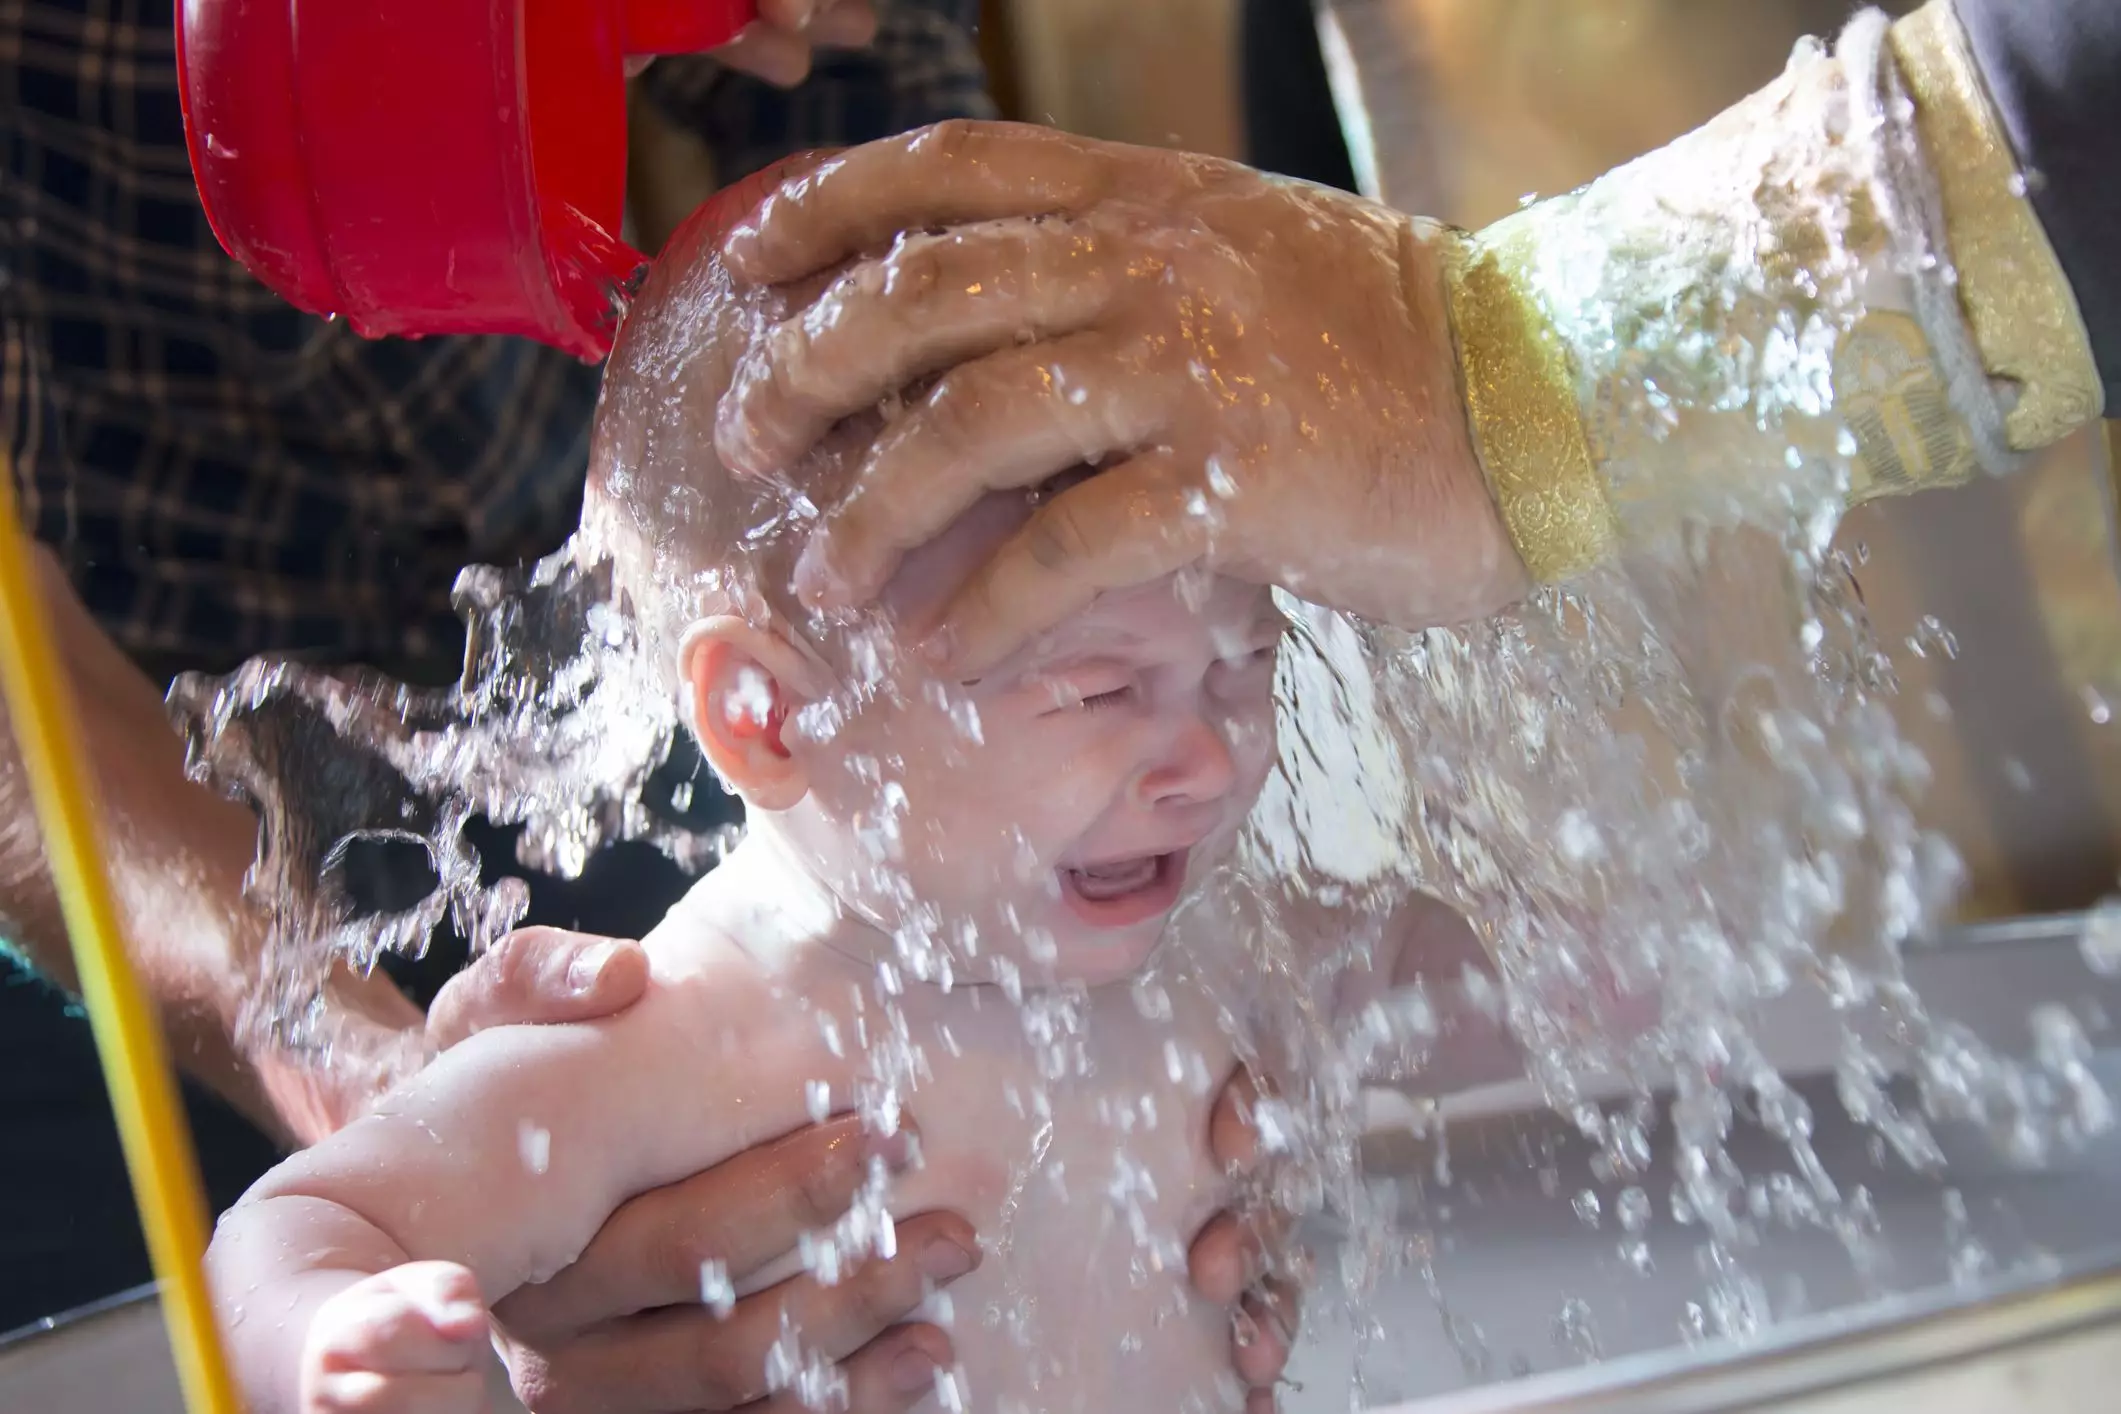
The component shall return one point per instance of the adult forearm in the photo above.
(1838, 287)
(176, 855)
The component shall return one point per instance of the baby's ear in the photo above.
(744, 683)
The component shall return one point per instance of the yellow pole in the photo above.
(135, 1062)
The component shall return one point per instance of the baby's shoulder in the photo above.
(698, 938)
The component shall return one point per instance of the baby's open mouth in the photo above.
(1123, 891)
(1109, 881)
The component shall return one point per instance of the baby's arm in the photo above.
(350, 1276)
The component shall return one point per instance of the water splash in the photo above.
(552, 726)
(1667, 797)
(1657, 830)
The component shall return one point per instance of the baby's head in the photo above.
(1047, 815)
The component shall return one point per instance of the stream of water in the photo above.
(1666, 797)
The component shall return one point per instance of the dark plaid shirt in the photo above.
(225, 475)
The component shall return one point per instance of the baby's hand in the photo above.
(412, 1340)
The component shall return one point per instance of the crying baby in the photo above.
(960, 897)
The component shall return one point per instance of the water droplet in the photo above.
(1577, 838)
(2100, 942)
(534, 1147)
(1575, 1333)
(1693, 1324)
(717, 1291)
(1931, 636)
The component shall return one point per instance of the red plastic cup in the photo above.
(429, 166)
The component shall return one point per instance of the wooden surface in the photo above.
(1162, 74)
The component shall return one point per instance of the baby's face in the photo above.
(1051, 813)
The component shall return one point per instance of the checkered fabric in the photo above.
(226, 476)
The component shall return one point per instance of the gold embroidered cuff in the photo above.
(1528, 431)
(2011, 287)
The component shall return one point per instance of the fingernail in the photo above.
(939, 647)
(912, 1373)
(588, 966)
(944, 1260)
(447, 1312)
(815, 583)
(462, 1313)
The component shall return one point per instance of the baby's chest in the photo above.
(1070, 1149)
(1075, 1141)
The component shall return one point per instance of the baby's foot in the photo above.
(411, 1340)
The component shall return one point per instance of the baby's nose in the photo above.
(1195, 767)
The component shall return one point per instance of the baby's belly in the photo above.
(1085, 1190)
(1082, 1303)
(1078, 1322)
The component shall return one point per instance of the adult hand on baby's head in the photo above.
(1232, 1257)
(1264, 371)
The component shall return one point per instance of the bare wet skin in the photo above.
(1655, 824)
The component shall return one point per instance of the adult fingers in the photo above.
(765, 51)
(1234, 1122)
(1126, 525)
(538, 975)
(839, 1319)
(894, 1373)
(850, 24)
(690, 1358)
(945, 175)
(1233, 1252)
(1264, 1334)
(1013, 418)
(743, 1213)
(931, 302)
(792, 15)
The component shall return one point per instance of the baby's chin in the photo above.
(1102, 957)
(1072, 955)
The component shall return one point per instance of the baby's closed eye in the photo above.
(1088, 688)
